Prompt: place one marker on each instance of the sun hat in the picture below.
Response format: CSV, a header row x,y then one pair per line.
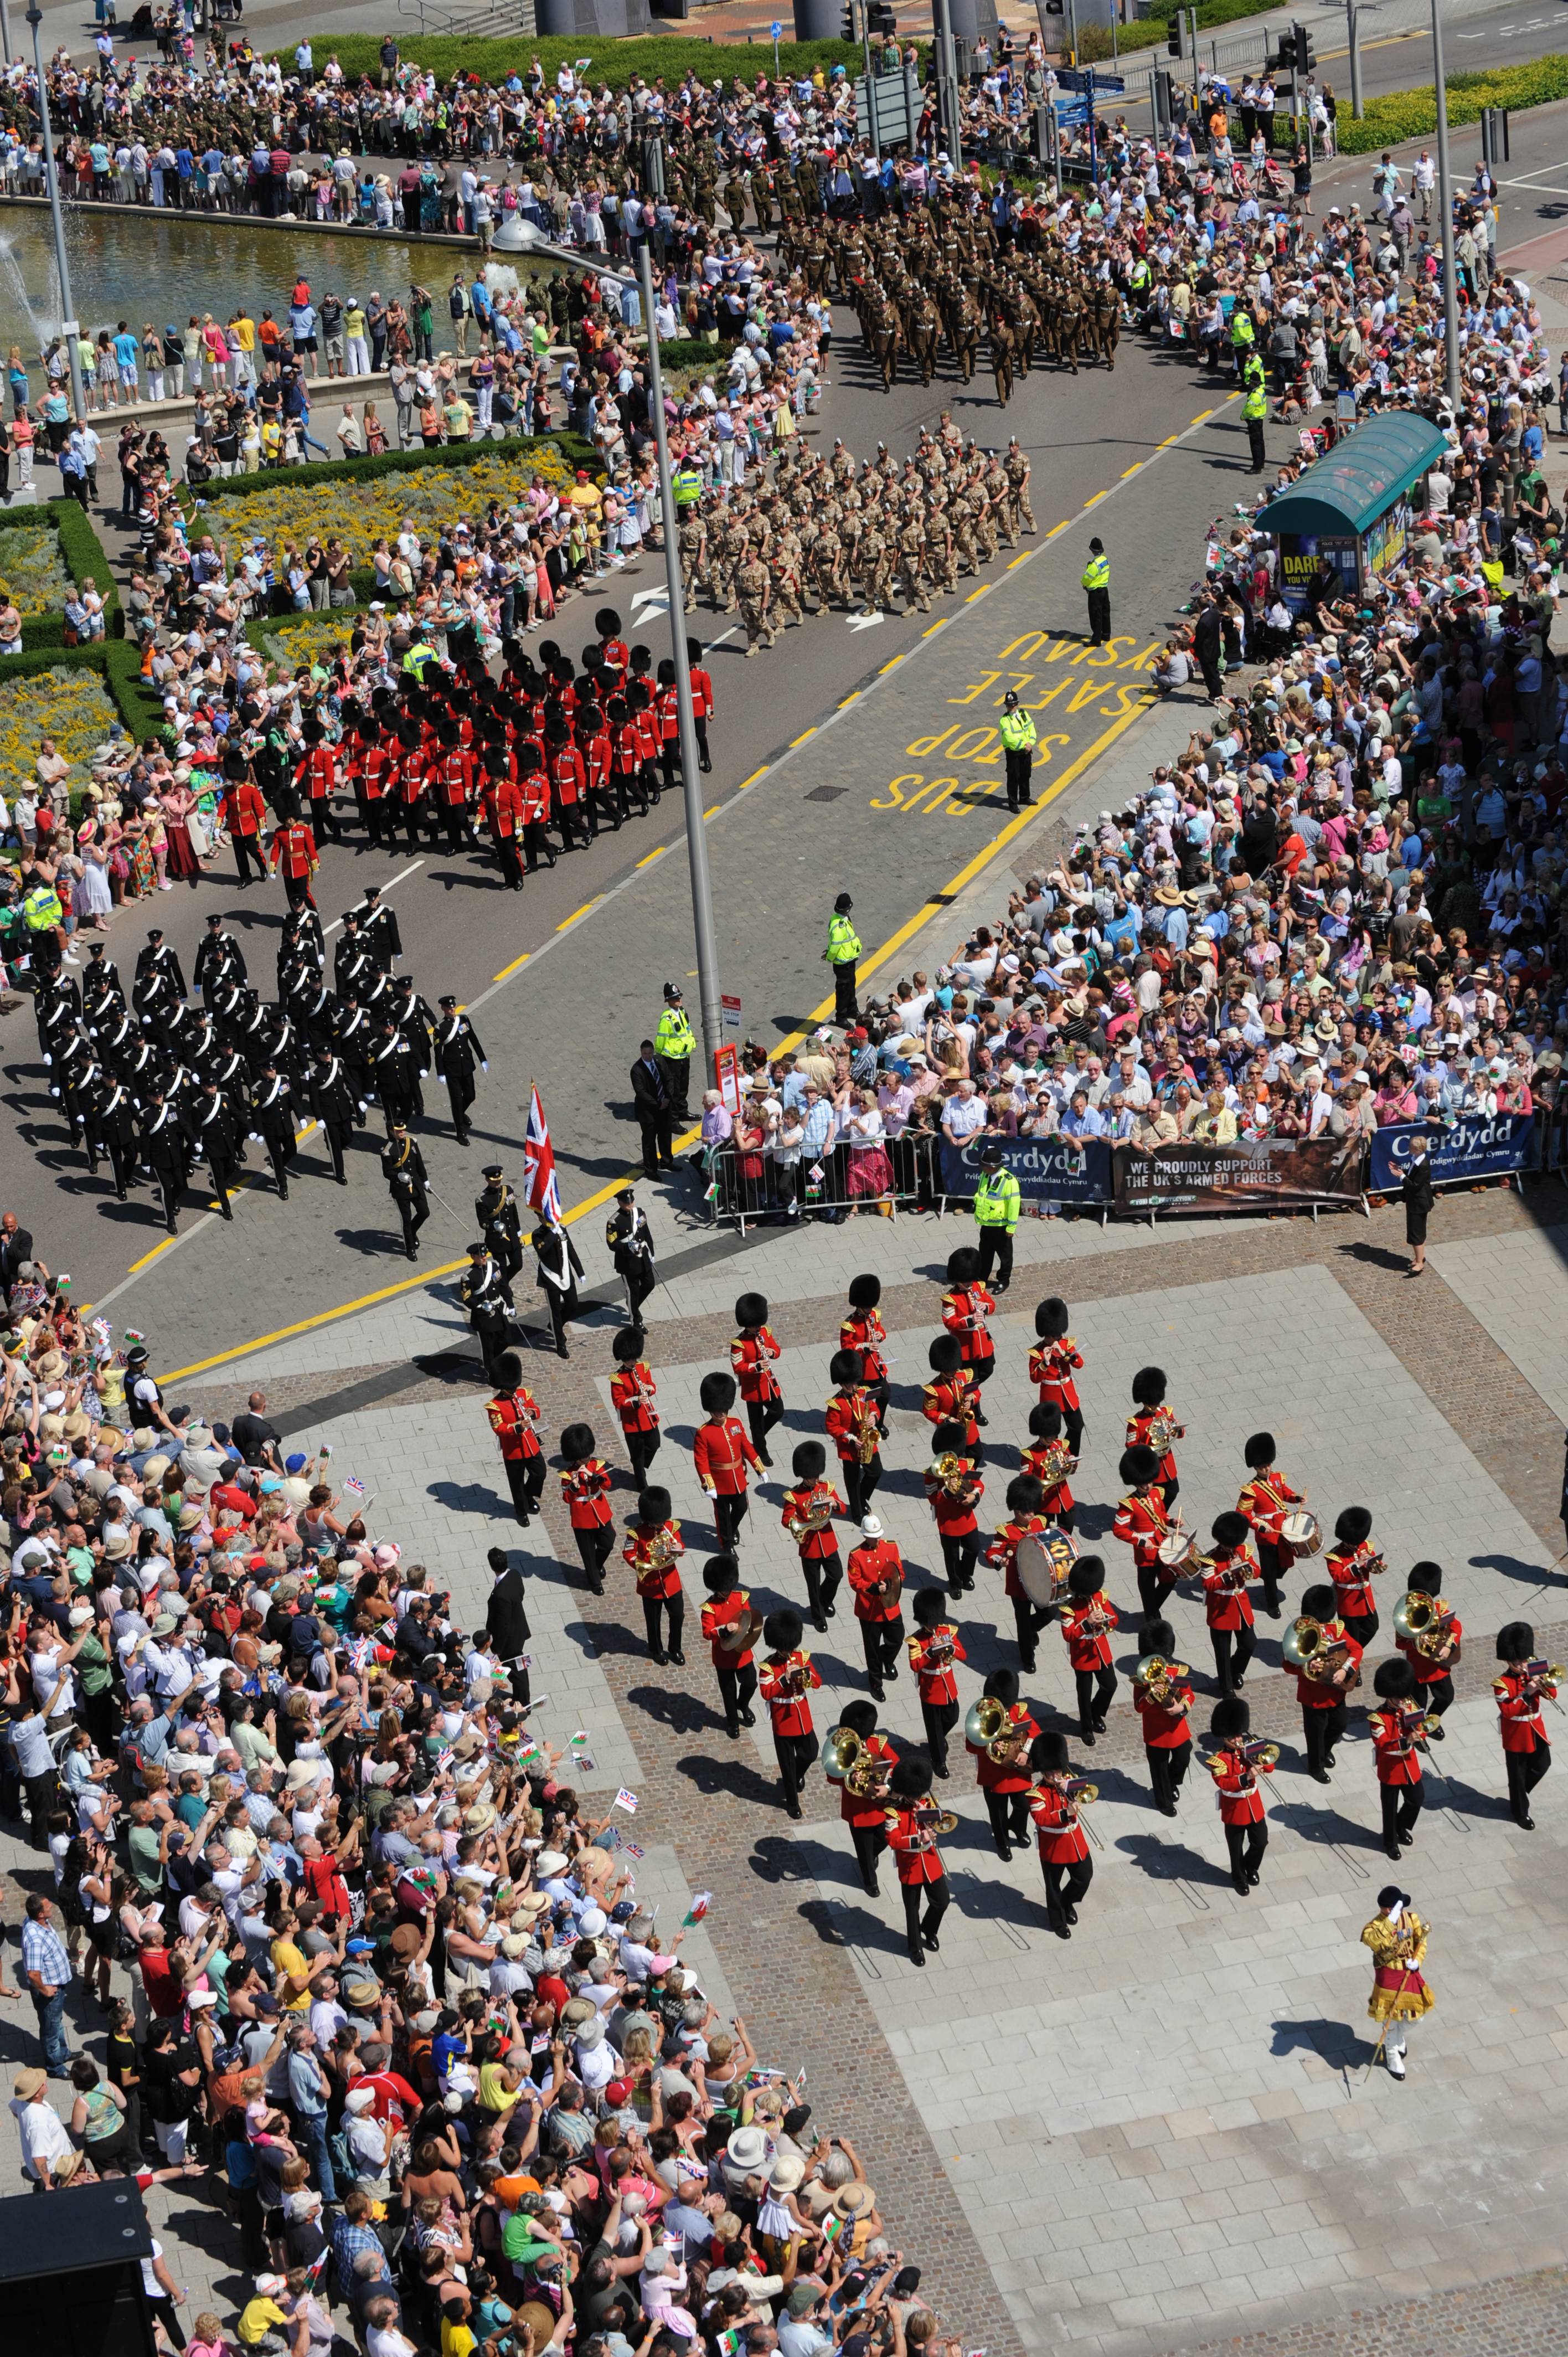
x,y
747,2147
855,2200
28,2084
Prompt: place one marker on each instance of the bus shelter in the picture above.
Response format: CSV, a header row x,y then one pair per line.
x,y
1350,511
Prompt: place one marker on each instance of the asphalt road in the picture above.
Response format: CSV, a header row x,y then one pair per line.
x,y
857,758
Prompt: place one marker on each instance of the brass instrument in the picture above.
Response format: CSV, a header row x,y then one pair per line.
x,y
985,1720
1424,1622
929,1822
866,1779
938,1653
805,1526
1306,1649
661,1551
792,1685
1082,1795
1057,1461
1253,1751
840,1749
1159,1677
951,1472
1416,1725
867,1432
1005,1750
1162,1430
1539,1674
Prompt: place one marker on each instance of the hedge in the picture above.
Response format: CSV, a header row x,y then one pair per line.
x,y
693,351
120,664
83,553
613,61
1412,113
571,447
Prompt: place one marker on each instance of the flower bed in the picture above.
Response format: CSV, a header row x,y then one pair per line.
x,y
361,508
32,569
70,703
290,640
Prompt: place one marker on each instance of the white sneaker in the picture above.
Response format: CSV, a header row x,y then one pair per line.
x,y
1395,2063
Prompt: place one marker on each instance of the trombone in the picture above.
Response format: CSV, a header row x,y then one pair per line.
x,y
1080,1793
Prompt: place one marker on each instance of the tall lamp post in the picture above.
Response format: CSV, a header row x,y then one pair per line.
x,y
526,236
69,328
1445,198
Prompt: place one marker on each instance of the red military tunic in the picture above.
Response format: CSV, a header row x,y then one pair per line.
x,y
914,1848
1142,1520
1165,1723
748,1356
862,1330
965,1308
721,1452
1228,1606
294,851
1397,1759
810,1498
318,773
504,806
952,1400
656,1580
1321,1694
568,775
1051,1365
954,1512
997,1775
1002,1555
1058,1499
867,1812
1352,1582
849,1412
722,1613
1089,1648
1062,1840
1236,1782
1138,1437
702,693
1266,1499
873,1561
245,811
376,771
586,1488
1428,1671
513,1415
1523,1726
790,1713
456,778
632,1392
934,1676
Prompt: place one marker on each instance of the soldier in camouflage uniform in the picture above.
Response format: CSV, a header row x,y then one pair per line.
x,y
911,554
754,590
1016,467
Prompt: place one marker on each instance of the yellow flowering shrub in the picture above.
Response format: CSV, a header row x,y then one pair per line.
x,y
288,644
72,706
361,513
32,571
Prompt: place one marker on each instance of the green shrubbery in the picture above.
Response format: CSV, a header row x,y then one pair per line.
x,y
1412,113
669,55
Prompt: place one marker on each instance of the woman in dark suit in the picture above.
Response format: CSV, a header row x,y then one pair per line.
x,y
1417,1195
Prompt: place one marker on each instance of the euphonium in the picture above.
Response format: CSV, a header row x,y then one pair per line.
x,y
1153,1669
1301,1640
1422,1620
949,1472
985,1720
866,1776
840,1749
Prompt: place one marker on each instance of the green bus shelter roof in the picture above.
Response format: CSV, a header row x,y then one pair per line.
x,y
1345,492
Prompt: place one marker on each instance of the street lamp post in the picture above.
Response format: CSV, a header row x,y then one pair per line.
x,y
529,238
1445,200
69,328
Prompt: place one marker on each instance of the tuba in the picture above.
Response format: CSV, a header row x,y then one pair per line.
x,y
951,1472
1158,1676
1423,1621
983,1721
1302,1641
840,1749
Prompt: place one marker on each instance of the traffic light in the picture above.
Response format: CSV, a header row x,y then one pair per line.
x,y
1300,46
851,20
1176,39
879,18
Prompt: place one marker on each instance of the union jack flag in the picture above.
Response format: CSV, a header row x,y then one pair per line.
x,y
540,1191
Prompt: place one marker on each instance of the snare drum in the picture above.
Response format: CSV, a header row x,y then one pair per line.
x,y
1178,1552
1302,1532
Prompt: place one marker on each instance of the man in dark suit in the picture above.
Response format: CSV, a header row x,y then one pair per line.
x,y
16,1246
653,1111
506,1621
1208,640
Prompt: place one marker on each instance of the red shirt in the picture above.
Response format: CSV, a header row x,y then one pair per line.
x,y
964,1312
586,1488
1089,1648
867,1812
748,1357
1428,1672
790,1713
1266,1501
1352,1583
951,1400
1003,1552
722,1613
872,1561
954,1511
995,1775
1051,1365
654,1580
294,851
1319,1693
1236,1781
1228,1606
1142,1520
935,1677
1062,1840
1165,1723
915,1851
862,1330
721,1452
244,811
806,1499
847,1413
1397,1759
1523,1726
1138,1437
513,1415
632,1391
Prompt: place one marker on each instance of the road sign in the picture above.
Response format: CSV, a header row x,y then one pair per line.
x,y
777,30
1091,80
731,1007
899,105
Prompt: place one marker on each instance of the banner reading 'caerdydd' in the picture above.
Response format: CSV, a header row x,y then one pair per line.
x,y
1473,1148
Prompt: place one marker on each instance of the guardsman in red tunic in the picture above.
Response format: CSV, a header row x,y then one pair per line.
x,y
954,1489
293,855
1087,1620
667,720
810,1500
568,776
786,1682
1004,1781
653,1548
721,1452
1048,1458
1432,1652
1226,1601
1336,1661
914,1824
750,1356
1162,1703
966,1306
533,793
513,1413
860,1330
586,1486
951,1397
1142,1520
501,803
1024,1520
244,815
455,791
877,1576
1152,1425
865,1812
632,1394
374,775
1064,1861
614,653
853,1427
318,774
935,1646
701,700
728,1613
1265,1501
1352,1563
1236,1768
1527,1754
1397,1733
1053,1362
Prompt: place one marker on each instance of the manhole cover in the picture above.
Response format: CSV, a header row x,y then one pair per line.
x,y
824,793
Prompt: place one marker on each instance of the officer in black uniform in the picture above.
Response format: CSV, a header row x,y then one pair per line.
x,y
214,1141
219,961
392,1076
456,1050
379,926
335,1105
352,962
500,1218
163,1152
272,1112
630,1240
355,1043
403,1168
112,1131
486,1296
158,958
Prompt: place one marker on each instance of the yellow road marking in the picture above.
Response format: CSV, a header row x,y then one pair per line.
x,y
756,775
515,967
891,666
711,811
853,697
1201,415
802,737
1065,526
1021,559
975,594
1094,502
571,919
1133,470
1170,442
657,853
939,625
147,1258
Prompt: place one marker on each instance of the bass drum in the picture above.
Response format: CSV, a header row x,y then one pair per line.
x,y
1178,1552
1043,1560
